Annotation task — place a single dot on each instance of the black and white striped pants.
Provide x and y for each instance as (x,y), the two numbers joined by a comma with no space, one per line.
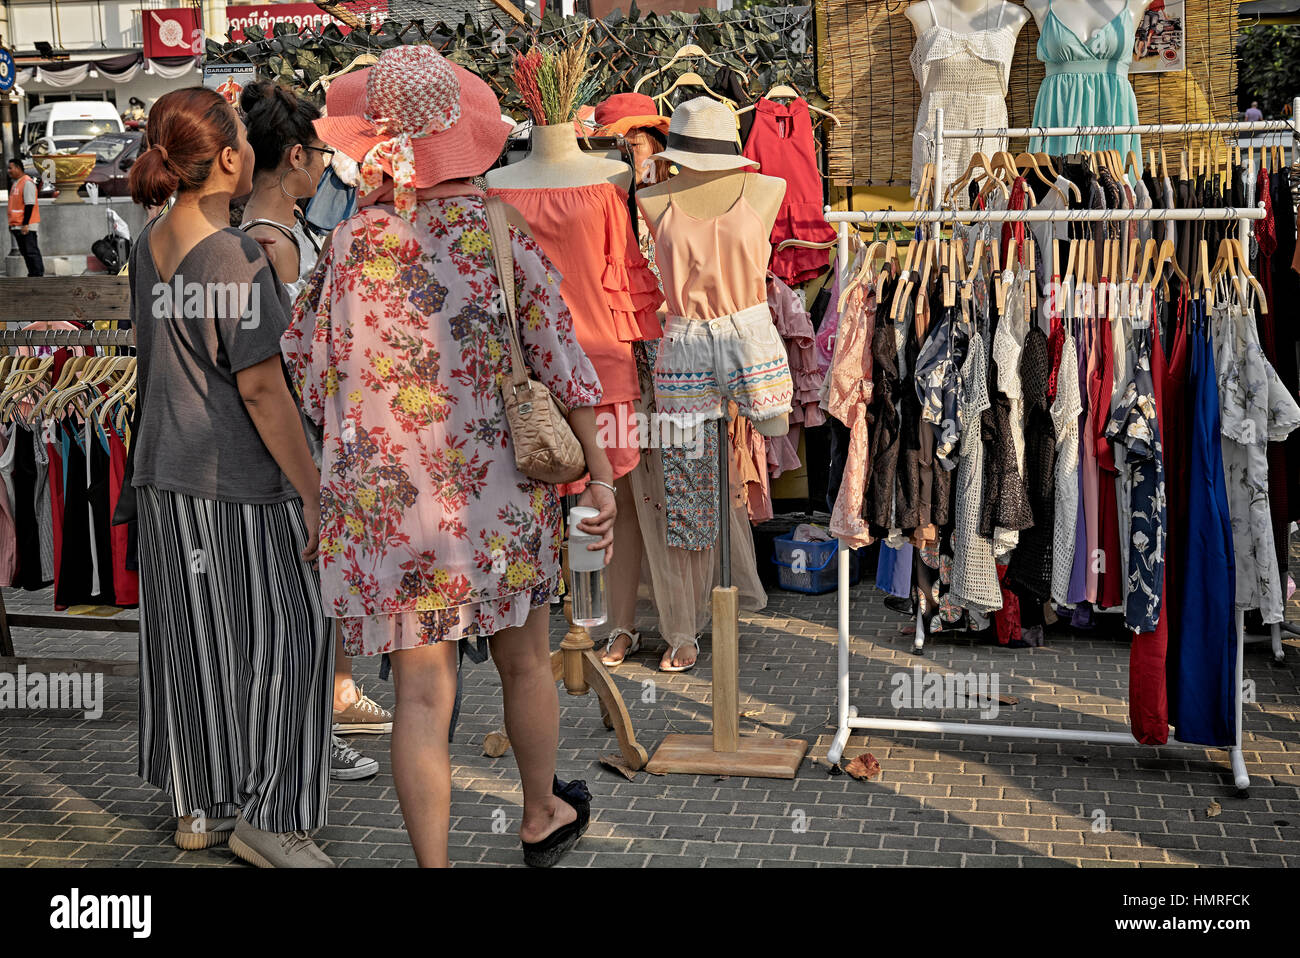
(236,661)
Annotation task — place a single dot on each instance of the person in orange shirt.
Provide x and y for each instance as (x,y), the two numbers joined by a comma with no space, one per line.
(24,215)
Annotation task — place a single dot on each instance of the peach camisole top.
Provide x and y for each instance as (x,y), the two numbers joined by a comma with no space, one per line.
(716,266)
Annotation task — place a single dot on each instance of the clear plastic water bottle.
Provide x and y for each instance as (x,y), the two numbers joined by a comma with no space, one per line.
(586,572)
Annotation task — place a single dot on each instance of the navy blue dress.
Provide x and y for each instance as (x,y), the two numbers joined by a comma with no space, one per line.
(1207,657)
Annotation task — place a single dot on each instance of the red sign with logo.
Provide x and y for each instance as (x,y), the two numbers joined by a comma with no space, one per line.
(264,16)
(172,33)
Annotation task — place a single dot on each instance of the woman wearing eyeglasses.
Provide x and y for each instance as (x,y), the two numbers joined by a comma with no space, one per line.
(289,161)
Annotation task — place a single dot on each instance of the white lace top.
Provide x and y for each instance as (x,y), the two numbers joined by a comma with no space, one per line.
(974,576)
(1008,343)
(965,75)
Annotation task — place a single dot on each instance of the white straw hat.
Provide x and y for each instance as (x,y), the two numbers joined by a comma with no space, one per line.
(702,136)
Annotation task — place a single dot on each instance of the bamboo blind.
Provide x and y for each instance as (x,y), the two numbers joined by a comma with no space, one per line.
(864,70)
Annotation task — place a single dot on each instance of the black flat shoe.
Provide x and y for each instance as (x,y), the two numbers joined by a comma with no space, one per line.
(551,849)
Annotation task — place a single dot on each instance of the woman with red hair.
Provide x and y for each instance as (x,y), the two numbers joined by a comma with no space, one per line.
(234,644)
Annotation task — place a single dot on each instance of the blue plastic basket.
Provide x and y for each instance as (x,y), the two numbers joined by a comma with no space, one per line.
(820,569)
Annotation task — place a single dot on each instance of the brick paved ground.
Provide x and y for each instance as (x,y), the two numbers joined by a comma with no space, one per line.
(69,795)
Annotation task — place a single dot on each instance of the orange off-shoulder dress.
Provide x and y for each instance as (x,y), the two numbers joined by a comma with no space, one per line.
(586,232)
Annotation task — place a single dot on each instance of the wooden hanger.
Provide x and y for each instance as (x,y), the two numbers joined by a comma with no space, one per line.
(1203,273)
(947,272)
(363,60)
(691,79)
(784,91)
(1131,263)
(905,278)
(924,188)
(927,263)
(1243,269)
(689,50)
(978,162)
(995,180)
(1133,162)
(977,261)
(807,244)
(1030,162)
(1031,278)
(1148,253)
(1003,280)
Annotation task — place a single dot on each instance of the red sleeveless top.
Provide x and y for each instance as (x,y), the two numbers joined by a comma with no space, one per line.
(782,142)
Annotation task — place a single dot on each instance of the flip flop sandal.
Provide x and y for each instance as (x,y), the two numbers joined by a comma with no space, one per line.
(632,634)
(551,849)
(682,668)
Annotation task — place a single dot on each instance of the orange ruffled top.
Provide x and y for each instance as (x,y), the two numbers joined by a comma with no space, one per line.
(586,232)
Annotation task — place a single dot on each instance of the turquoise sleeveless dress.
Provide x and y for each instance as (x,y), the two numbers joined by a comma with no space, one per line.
(1086,85)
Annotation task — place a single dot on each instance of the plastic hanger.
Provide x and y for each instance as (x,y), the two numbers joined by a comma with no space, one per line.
(30,374)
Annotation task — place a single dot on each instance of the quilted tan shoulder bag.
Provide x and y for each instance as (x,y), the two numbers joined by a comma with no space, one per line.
(545,447)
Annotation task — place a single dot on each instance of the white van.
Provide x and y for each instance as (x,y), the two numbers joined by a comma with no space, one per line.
(69,123)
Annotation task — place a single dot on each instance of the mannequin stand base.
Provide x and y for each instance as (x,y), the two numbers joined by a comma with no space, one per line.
(577,663)
(756,757)
(726,751)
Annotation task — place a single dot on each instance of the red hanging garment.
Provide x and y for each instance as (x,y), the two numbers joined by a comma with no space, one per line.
(1110,591)
(126,583)
(782,143)
(1148,698)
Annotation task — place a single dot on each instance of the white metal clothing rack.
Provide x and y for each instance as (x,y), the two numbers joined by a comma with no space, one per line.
(847,713)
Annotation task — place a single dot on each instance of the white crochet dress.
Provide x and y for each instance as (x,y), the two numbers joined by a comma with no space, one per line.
(965,75)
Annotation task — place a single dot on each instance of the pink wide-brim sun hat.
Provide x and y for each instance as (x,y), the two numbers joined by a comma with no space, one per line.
(467,148)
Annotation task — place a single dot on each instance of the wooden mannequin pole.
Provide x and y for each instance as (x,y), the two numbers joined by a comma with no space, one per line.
(726,751)
(726,626)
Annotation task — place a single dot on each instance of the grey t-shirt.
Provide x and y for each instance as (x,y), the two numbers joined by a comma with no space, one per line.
(222,312)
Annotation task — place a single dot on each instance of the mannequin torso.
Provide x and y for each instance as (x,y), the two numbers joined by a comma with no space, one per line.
(1085,17)
(705,195)
(966,16)
(556,162)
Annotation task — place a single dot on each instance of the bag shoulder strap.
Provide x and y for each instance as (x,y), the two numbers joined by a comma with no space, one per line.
(503,257)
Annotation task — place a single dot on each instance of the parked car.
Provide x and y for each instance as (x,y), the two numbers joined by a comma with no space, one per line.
(69,123)
(116,152)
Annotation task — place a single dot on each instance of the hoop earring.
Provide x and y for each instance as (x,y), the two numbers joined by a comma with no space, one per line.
(295,169)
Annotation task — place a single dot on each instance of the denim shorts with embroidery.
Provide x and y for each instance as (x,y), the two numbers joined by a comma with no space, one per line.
(704,362)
